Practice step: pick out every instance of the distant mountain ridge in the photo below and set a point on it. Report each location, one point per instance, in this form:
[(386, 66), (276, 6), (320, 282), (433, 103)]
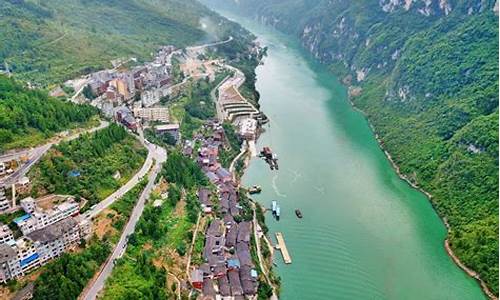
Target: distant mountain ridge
[(425, 73), (54, 40)]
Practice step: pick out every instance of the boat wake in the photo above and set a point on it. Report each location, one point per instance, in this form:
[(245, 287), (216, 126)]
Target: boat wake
[(275, 187), (320, 189), (296, 175)]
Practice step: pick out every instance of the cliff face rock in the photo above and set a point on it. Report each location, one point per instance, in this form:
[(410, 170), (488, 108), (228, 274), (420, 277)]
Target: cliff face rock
[(362, 36), (425, 7), (425, 72)]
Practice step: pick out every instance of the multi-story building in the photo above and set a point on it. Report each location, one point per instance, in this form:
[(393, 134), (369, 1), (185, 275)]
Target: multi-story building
[(9, 264), (27, 255), (122, 87), (4, 203), (37, 248), (28, 205), (248, 128), (6, 236), (38, 218), (172, 129), (152, 114), (55, 239)]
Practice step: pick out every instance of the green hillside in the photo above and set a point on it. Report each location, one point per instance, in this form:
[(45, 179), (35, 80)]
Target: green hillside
[(54, 40), (429, 80), (28, 117)]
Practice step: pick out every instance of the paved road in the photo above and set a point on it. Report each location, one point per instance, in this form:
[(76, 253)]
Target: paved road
[(127, 186), (160, 155), (15, 155), (196, 48), (36, 153)]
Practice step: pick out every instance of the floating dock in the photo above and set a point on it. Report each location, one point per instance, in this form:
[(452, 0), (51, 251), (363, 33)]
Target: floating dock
[(282, 247)]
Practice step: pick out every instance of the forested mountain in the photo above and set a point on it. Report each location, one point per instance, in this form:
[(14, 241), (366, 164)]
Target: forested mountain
[(426, 75), (87, 166), (48, 41), (28, 117)]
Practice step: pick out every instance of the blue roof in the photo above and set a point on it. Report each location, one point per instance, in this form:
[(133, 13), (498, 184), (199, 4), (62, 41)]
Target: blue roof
[(22, 219), (74, 173), (233, 263), (27, 260)]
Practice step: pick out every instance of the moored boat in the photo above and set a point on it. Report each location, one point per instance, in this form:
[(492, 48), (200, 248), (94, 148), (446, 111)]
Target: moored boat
[(298, 213), (255, 189)]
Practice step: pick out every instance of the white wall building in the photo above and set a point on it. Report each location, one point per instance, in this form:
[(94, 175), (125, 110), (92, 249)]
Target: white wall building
[(6, 236), (40, 218), (152, 114), (4, 203), (37, 248)]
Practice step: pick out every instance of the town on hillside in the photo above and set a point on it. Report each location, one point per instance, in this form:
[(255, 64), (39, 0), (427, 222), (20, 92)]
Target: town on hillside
[(138, 99)]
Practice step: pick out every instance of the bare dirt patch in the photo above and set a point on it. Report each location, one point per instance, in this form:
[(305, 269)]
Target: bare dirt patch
[(103, 224)]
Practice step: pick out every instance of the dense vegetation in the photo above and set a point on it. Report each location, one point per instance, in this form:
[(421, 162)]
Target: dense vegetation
[(227, 154), (28, 117), (54, 40), (182, 171), (200, 103), (66, 277), (429, 86), (86, 166), (142, 272), (195, 104)]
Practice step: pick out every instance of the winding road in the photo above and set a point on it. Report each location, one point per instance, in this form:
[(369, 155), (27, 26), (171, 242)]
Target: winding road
[(159, 155), (36, 153)]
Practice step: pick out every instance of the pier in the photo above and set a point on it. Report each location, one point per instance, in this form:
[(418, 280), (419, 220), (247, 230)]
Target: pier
[(282, 247)]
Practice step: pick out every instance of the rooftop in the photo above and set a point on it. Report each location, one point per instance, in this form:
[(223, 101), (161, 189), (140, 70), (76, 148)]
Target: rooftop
[(21, 219), (6, 253), (166, 127), (53, 231)]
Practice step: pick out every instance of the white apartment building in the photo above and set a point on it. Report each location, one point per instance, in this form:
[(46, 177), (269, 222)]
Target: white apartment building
[(55, 239), (152, 114), (248, 128), (39, 218), (9, 264), (26, 255), (28, 205), (4, 203), (6, 236), (37, 248)]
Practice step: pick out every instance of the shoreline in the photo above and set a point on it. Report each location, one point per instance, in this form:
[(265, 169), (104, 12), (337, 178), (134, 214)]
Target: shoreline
[(245, 155), (471, 273)]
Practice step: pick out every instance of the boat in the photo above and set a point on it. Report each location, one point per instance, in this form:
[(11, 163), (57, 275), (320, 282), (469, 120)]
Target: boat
[(278, 213), (266, 153), (255, 189), (298, 213), (273, 207)]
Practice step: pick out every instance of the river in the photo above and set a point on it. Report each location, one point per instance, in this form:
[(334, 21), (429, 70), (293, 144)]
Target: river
[(365, 233)]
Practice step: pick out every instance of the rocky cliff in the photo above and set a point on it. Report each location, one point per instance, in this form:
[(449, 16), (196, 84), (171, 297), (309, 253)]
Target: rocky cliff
[(425, 72)]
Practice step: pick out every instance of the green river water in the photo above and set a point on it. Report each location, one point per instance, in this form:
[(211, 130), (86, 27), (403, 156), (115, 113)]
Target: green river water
[(365, 233)]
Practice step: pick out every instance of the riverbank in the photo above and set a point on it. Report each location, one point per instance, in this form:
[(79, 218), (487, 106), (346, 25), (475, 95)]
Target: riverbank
[(473, 274), (265, 265), (237, 168), (365, 232)]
